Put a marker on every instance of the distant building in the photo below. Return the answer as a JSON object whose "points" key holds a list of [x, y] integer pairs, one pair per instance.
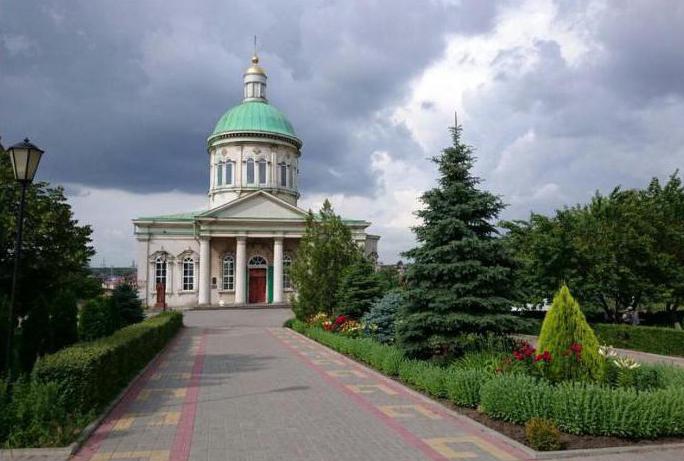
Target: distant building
{"points": [[237, 251]]}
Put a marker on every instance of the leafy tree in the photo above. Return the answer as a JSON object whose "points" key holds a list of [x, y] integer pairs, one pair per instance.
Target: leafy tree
{"points": [[126, 302], [390, 278], [621, 250], [55, 256], [324, 252], [359, 288], [567, 336], [460, 280]]}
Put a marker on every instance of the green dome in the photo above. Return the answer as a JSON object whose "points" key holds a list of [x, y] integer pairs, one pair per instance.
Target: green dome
{"points": [[255, 116]]}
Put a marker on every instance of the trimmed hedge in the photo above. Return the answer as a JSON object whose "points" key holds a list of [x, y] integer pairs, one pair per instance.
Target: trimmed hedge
{"points": [[580, 408], [89, 375], [576, 408], [656, 340]]}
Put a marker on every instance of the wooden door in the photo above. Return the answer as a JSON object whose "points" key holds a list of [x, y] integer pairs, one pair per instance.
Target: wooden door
{"points": [[257, 286]]}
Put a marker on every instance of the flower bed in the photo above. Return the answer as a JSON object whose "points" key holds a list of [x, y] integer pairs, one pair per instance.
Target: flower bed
{"points": [[503, 387]]}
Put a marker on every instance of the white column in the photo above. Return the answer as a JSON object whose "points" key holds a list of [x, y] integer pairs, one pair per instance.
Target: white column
{"points": [[278, 270], [240, 268], [205, 271]]}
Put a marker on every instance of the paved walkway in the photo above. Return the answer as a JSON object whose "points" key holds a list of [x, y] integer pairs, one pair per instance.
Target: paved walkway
{"points": [[237, 386]]}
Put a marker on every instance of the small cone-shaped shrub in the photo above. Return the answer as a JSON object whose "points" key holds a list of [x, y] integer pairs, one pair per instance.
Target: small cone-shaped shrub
{"points": [[572, 343]]}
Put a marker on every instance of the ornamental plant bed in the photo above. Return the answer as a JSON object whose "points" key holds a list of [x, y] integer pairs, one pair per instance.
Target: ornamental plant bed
{"points": [[599, 415]]}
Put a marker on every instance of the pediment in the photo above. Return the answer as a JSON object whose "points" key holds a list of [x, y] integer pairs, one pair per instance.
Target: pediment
{"points": [[257, 206]]}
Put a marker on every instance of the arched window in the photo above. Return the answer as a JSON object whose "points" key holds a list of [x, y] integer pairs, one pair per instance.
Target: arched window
{"points": [[229, 173], [287, 263], [228, 273], [257, 261], [250, 171], [262, 171], [160, 271], [188, 274], [282, 170], [219, 173]]}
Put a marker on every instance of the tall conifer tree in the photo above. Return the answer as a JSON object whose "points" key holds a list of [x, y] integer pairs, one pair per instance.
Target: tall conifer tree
{"points": [[460, 279]]}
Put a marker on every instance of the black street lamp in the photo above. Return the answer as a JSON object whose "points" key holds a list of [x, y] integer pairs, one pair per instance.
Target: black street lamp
{"points": [[25, 158]]}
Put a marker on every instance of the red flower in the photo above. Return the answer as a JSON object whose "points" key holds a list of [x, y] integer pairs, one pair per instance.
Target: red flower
{"points": [[340, 319], [545, 357], [576, 348], [518, 355]]}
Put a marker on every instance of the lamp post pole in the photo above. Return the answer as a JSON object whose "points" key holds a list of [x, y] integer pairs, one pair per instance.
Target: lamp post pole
{"points": [[15, 276], [25, 158]]}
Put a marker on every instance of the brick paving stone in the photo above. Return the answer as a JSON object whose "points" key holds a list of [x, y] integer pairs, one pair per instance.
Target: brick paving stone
{"points": [[237, 386]]}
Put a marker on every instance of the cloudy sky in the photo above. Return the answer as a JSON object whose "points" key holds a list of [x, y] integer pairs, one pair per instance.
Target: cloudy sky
{"points": [[559, 98]]}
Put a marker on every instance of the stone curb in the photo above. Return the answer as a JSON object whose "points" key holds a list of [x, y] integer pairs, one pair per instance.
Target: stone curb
{"points": [[64, 453], [533, 454]]}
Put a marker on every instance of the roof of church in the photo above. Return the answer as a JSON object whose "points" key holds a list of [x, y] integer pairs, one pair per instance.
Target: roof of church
{"points": [[255, 116], [192, 215]]}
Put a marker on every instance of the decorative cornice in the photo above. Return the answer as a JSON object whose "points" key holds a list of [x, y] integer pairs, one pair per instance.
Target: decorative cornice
{"points": [[254, 134]]}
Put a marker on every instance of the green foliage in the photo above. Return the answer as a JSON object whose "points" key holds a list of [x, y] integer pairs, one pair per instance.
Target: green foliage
{"points": [[5, 419], [584, 408], [390, 278], [55, 255], [463, 385], [64, 320], [380, 320], [39, 416], [359, 287], [98, 318], [620, 250], [565, 325], [325, 250], [460, 280], [90, 374], [664, 341], [542, 434], [127, 304]]}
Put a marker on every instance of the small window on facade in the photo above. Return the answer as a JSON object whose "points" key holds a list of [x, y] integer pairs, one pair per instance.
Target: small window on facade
{"points": [[250, 171], [228, 273], [287, 263], [283, 175], [160, 271], [188, 274], [229, 173], [219, 174], [262, 172]]}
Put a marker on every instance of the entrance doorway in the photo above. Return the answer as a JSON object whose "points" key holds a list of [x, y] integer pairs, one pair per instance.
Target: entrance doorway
{"points": [[257, 286], [258, 267]]}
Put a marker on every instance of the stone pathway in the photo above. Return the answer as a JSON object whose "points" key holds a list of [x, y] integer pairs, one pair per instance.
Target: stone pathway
{"points": [[236, 386]]}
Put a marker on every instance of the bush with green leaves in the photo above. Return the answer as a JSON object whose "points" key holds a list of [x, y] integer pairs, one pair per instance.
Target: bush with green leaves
{"points": [[656, 340], [39, 416], [90, 374], [543, 435], [586, 408], [98, 318], [567, 336], [379, 322], [127, 304], [462, 385]]}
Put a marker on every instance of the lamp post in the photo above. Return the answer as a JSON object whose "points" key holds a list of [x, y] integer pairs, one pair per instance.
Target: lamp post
{"points": [[25, 158]]}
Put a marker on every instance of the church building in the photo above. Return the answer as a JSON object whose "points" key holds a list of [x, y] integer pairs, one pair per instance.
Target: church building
{"points": [[238, 250]]}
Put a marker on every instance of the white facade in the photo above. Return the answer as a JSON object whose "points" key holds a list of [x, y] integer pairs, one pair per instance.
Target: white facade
{"points": [[237, 251]]}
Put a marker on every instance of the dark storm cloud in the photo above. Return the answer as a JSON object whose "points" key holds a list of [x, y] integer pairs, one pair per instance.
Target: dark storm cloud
{"points": [[123, 94]]}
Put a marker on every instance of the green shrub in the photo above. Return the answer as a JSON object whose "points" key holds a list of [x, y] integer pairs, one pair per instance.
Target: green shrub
{"points": [[39, 416], [585, 408], [462, 385], [90, 374], [542, 434], [380, 320], [5, 419], [98, 318], [127, 304], [656, 340], [392, 362], [564, 326], [486, 361]]}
